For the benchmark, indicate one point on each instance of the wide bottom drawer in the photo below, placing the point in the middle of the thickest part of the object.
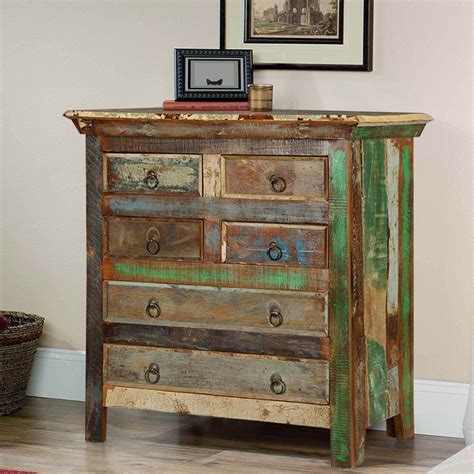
(238, 375)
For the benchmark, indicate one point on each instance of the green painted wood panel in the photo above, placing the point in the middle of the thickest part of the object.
(244, 276)
(339, 265)
(406, 285)
(375, 217)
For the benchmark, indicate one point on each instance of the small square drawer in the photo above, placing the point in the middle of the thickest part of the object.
(218, 373)
(273, 177)
(154, 238)
(274, 244)
(154, 174)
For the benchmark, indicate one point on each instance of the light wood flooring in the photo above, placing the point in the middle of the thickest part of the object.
(47, 436)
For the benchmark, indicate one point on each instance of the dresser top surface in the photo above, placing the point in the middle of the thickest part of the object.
(348, 118)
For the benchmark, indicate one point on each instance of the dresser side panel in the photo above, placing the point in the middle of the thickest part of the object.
(95, 411)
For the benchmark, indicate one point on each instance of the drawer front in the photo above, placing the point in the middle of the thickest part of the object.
(218, 373)
(155, 174)
(152, 238)
(271, 177)
(274, 244)
(218, 308)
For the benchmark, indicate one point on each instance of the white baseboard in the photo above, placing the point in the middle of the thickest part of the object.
(439, 406)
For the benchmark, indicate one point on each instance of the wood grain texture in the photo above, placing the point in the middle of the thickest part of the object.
(169, 443)
(212, 208)
(176, 174)
(177, 239)
(209, 274)
(252, 243)
(393, 316)
(357, 328)
(375, 275)
(251, 177)
(322, 116)
(214, 338)
(96, 414)
(289, 413)
(346, 449)
(402, 425)
(231, 308)
(221, 129)
(218, 373)
(212, 175)
(198, 145)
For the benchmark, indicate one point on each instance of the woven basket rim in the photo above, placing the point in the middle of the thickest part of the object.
(35, 322)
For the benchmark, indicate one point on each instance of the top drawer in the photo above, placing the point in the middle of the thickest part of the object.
(275, 177)
(155, 174)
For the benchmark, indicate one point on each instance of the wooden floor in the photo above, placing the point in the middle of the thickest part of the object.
(47, 436)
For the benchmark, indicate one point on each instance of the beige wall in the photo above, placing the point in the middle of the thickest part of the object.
(71, 54)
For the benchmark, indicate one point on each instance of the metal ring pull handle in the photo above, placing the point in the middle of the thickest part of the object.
(278, 183)
(275, 318)
(277, 386)
(274, 252)
(152, 245)
(152, 374)
(151, 180)
(153, 309)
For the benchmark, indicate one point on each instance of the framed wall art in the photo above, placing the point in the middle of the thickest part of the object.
(301, 34)
(213, 74)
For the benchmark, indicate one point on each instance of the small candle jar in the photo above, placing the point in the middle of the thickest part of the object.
(260, 97)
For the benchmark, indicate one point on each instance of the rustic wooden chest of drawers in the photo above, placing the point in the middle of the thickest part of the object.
(252, 266)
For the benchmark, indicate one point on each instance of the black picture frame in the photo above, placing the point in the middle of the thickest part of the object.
(212, 89)
(368, 37)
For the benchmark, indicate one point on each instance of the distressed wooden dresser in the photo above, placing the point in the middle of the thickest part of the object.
(252, 266)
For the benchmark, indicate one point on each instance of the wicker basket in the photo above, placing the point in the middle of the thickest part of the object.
(18, 345)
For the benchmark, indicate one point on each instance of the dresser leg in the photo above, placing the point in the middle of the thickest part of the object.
(402, 425)
(96, 423)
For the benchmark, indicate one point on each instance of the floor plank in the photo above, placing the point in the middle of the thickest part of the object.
(47, 436)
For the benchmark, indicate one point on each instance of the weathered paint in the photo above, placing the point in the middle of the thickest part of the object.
(290, 413)
(339, 310)
(217, 209)
(249, 243)
(375, 275)
(406, 286)
(218, 373)
(176, 174)
(385, 131)
(274, 115)
(393, 165)
(265, 277)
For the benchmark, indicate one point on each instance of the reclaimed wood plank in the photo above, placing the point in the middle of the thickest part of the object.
(204, 306)
(357, 329)
(198, 145)
(392, 179)
(96, 413)
(209, 274)
(212, 175)
(272, 411)
(218, 373)
(153, 238)
(402, 425)
(221, 129)
(373, 132)
(217, 209)
(240, 340)
(162, 174)
(274, 244)
(273, 177)
(347, 448)
(375, 275)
